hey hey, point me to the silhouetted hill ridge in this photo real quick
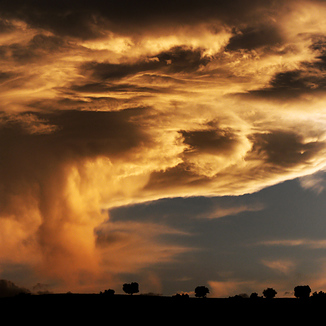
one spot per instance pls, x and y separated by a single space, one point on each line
92 306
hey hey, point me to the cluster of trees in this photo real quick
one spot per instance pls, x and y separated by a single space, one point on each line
129 288
268 293
300 291
133 287
200 292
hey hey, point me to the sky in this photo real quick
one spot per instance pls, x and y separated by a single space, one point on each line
175 144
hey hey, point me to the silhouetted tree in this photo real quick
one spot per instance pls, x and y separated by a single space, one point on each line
302 291
131 288
254 295
269 293
201 291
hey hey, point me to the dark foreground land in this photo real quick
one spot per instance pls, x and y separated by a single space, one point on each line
95 308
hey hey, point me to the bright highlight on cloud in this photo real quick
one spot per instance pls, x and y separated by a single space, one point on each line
105 105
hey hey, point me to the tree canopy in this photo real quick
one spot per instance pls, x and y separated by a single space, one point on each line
131 288
269 293
302 291
201 291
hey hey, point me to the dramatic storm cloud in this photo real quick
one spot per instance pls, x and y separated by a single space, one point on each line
106 104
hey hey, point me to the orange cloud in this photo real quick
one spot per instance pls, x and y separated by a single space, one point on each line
225 289
129 246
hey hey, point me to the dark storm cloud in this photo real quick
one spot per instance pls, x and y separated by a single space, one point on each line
253 37
87 20
284 149
37 198
291 85
183 60
63 18
81 133
104 133
36 147
319 46
210 141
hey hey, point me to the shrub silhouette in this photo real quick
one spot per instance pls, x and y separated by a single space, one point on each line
183 296
201 291
269 293
131 288
108 292
319 296
302 291
254 296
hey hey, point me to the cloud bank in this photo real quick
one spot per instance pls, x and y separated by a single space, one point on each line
107 104
9 289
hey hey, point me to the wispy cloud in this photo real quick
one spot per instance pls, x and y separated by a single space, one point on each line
315 182
127 246
228 211
309 243
284 266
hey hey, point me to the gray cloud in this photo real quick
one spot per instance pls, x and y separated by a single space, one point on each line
219 142
80 133
183 60
88 20
9 289
253 37
292 85
285 149
38 48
